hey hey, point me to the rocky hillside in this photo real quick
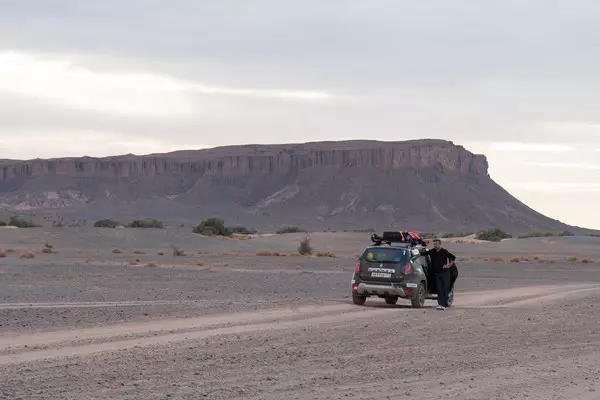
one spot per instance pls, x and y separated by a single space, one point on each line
424 184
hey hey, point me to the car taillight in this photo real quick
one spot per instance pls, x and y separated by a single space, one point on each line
355 287
407 269
358 266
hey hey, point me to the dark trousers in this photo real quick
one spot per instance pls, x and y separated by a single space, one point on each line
442 284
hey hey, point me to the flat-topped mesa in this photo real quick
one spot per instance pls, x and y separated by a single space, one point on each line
260 159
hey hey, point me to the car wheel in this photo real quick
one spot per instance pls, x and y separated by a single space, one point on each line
359 300
418 298
391 299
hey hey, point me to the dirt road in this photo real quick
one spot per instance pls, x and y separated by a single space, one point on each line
531 342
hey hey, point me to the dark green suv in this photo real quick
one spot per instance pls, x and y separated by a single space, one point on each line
393 268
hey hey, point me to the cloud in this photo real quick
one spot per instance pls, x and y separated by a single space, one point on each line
143 93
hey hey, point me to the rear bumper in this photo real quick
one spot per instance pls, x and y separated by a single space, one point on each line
382 289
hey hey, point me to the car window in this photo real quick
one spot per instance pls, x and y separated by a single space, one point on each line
386 255
420 262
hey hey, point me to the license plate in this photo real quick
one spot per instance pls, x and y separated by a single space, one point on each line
380 275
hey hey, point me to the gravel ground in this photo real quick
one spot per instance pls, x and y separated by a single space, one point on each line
249 327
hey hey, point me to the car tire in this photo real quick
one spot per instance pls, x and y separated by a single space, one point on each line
418 298
391 299
359 300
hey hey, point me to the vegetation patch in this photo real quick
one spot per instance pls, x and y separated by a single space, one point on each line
289 229
28 255
116 251
544 234
450 235
20 222
153 223
328 254
492 235
106 223
305 248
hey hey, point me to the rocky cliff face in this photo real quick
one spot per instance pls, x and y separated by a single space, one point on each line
423 184
248 160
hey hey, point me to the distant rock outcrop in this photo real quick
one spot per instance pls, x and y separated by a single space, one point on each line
421 184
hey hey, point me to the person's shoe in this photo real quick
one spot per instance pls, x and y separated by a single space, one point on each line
441 307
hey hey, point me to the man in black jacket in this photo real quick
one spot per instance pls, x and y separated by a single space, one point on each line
441 262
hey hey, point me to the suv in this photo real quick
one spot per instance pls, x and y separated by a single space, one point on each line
392 268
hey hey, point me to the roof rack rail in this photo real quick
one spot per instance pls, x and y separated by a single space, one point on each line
410 238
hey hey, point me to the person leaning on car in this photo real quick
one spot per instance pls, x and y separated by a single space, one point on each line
441 261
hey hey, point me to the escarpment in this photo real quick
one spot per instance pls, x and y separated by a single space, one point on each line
419 184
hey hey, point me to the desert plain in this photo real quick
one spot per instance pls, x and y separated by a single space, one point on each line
90 313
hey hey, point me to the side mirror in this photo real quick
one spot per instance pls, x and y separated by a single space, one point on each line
415 252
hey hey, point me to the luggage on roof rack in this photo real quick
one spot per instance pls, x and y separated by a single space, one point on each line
410 238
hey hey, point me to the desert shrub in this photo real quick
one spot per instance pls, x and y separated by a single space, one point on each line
138 252
267 253
565 233
289 229
326 254
106 223
240 230
28 255
496 259
2 223
47 250
364 230
515 260
177 252
586 261
594 235
2 254
429 235
11 250
449 235
160 253
536 234
212 227
305 248
151 265
116 251
153 223
492 235
20 222
572 259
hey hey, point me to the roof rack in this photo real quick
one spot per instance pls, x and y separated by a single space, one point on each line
410 238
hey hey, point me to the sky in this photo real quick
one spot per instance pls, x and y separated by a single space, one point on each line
514 80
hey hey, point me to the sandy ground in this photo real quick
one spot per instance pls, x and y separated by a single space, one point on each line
224 323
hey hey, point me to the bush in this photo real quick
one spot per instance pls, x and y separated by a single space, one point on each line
289 229
20 222
305 247
2 223
536 234
240 230
154 223
455 234
106 223
212 227
492 235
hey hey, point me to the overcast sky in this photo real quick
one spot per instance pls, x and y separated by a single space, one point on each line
515 80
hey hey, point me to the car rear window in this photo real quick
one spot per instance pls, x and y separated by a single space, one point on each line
386 255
